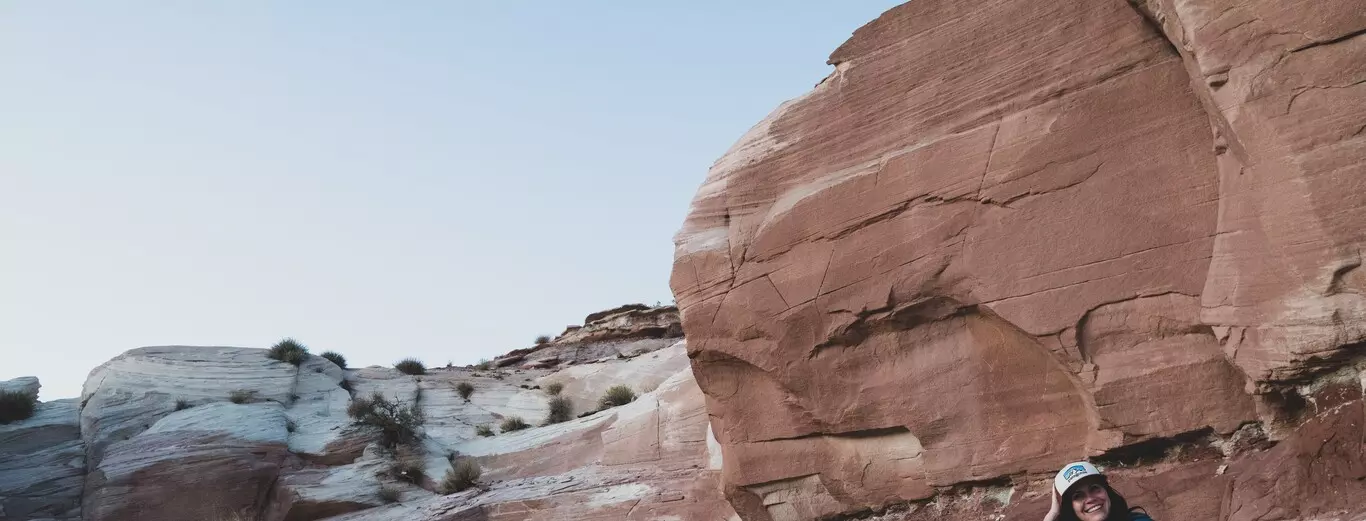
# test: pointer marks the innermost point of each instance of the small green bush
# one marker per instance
(616, 396)
(335, 357)
(182, 404)
(554, 388)
(465, 389)
(397, 424)
(461, 476)
(484, 364)
(513, 423)
(561, 410)
(411, 366)
(542, 340)
(289, 351)
(242, 396)
(483, 430)
(390, 494)
(16, 406)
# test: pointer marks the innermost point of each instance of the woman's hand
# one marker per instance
(1055, 510)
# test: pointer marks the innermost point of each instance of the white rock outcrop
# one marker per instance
(166, 442)
(42, 461)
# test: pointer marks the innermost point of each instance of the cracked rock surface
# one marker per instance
(1004, 235)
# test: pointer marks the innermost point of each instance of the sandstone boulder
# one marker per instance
(197, 463)
(1008, 234)
(24, 384)
(42, 461)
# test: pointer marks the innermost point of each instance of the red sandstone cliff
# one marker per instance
(1007, 234)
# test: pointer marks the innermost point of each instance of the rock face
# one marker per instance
(1004, 235)
(42, 460)
(166, 441)
(623, 331)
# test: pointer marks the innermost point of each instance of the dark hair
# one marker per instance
(1119, 508)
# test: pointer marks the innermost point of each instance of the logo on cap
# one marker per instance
(1073, 471)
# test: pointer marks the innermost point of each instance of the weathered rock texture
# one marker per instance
(165, 442)
(1007, 234)
(623, 331)
(42, 460)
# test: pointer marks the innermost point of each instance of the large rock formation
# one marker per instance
(175, 433)
(1007, 234)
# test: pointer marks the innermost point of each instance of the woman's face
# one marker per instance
(1090, 500)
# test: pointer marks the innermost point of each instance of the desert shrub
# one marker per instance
(390, 494)
(513, 423)
(16, 406)
(335, 358)
(242, 396)
(542, 340)
(408, 468)
(561, 410)
(484, 364)
(617, 395)
(461, 476)
(398, 424)
(182, 404)
(291, 426)
(290, 351)
(411, 366)
(483, 430)
(554, 388)
(465, 389)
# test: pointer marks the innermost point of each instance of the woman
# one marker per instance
(1081, 493)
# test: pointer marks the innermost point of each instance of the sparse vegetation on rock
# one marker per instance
(463, 474)
(465, 389)
(513, 423)
(390, 494)
(554, 388)
(335, 358)
(290, 426)
(241, 396)
(411, 366)
(484, 364)
(616, 396)
(483, 430)
(182, 404)
(16, 406)
(289, 351)
(542, 340)
(408, 468)
(397, 423)
(561, 410)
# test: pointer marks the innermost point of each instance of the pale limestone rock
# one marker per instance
(42, 463)
(126, 395)
(24, 384)
(319, 411)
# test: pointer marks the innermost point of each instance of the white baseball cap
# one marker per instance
(1073, 472)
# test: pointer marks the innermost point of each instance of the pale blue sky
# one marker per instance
(443, 180)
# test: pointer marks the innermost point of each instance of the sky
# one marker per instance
(444, 180)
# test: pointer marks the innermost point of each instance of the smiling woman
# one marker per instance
(1082, 493)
